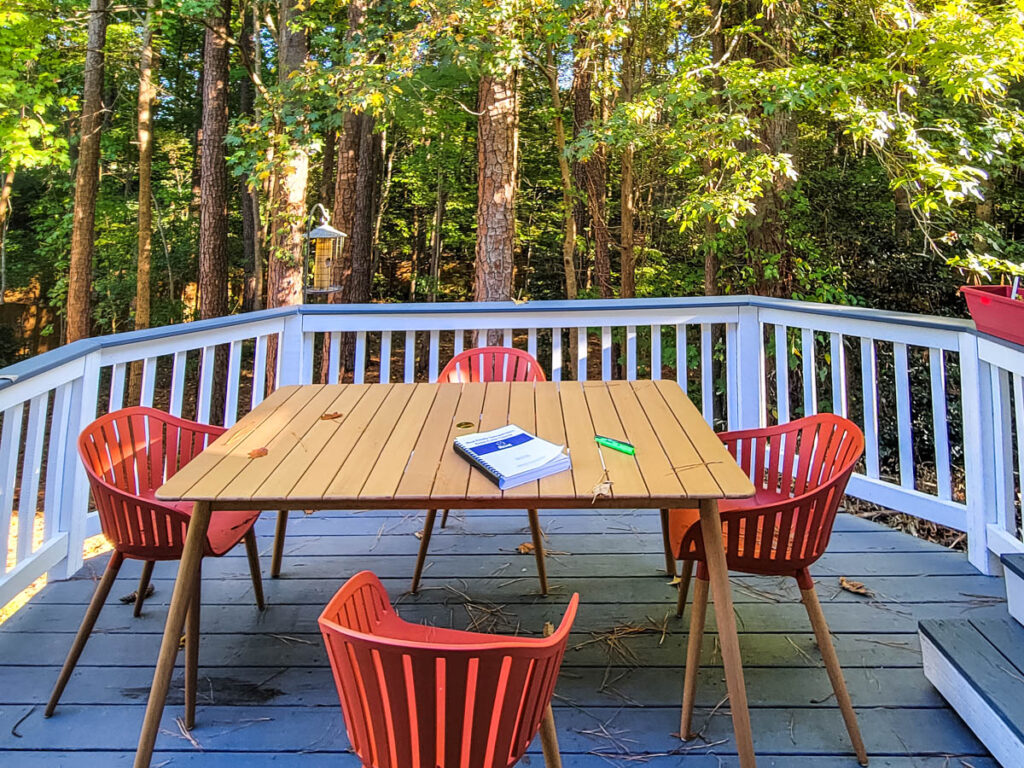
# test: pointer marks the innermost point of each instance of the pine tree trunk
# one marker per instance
(436, 239)
(87, 177)
(328, 166)
(145, 237)
(627, 254)
(711, 228)
(582, 116)
(360, 243)
(248, 202)
(5, 212)
(497, 158)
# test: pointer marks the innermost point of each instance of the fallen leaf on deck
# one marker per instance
(130, 598)
(525, 548)
(418, 534)
(332, 415)
(256, 453)
(855, 586)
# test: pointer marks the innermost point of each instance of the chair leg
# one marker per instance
(253, 552)
(684, 587)
(421, 558)
(670, 559)
(538, 549)
(549, 740)
(444, 518)
(275, 560)
(698, 615)
(192, 652)
(140, 593)
(99, 597)
(835, 672)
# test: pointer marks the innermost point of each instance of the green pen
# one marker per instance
(615, 445)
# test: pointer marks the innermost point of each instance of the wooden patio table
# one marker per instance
(388, 446)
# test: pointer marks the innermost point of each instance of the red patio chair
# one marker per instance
(485, 364)
(800, 471)
(128, 454)
(416, 696)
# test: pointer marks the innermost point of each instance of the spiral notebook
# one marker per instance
(511, 456)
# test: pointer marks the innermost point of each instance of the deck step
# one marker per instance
(978, 666)
(1013, 568)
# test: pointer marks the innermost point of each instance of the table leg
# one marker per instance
(721, 593)
(538, 549)
(670, 556)
(188, 571)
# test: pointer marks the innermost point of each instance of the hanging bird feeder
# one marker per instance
(323, 253)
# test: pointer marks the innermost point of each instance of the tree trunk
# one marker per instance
(627, 254)
(594, 171)
(248, 202)
(325, 191)
(357, 289)
(568, 214)
(145, 238)
(5, 212)
(711, 228)
(87, 177)
(582, 116)
(435, 235)
(497, 159)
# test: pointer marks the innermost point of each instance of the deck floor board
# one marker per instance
(266, 693)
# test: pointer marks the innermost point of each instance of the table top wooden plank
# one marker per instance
(522, 411)
(384, 477)
(494, 414)
(287, 440)
(204, 476)
(732, 480)
(695, 477)
(550, 427)
(287, 470)
(435, 437)
(654, 464)
(365, 453)
(312, 483)
(623, 469)
(391, 445)
(587, 469)
(452, 475)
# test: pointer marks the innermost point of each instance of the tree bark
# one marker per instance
(595, 173)
(87, 177)
(436, 239)
(357, 289)
(328, 166)
(582, 116)
(5, 212)
(711, 228)
(568, 200)
(248, 201)
(497, 166)
(289, 209)
(627, 254)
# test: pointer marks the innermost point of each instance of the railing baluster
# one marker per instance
(31, 469)
(259, 370)
(903, 422)
(460, 341)
(333, 361)
(206, 383)
(631, 353)
(531, 341)
(10, 443)
(148, 388)
(810, 383)
(940, 423)
(1002, 474)
(359, 369)
(178, 381)
(782, 372)
(410, 357)
(606, 353)
(117, 378)
(655, 352)
(385, 357)
(432, 363)
(234, 383)
(582, 348)
(707, 379)
(59, 443)
(682, 358)
(840, 402)
(506, 337)
(869, 383)
(556, 354)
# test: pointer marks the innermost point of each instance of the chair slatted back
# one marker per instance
(409, 702)
(492, 364)
(802, 468)
(128, 454)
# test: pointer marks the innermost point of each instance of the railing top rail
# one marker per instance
(54, 358)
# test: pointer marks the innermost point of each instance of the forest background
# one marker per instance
(160, 160)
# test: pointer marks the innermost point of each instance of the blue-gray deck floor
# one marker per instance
(267, 696)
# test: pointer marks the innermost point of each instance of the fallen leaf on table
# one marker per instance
(525, 548)
(855, 586)
(465, 425)
(332, 415)
(256, 453)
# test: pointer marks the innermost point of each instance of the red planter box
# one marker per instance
(995, 312)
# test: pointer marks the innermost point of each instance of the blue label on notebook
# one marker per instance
(498, 445)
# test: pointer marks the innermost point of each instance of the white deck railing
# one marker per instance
(940, 404)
